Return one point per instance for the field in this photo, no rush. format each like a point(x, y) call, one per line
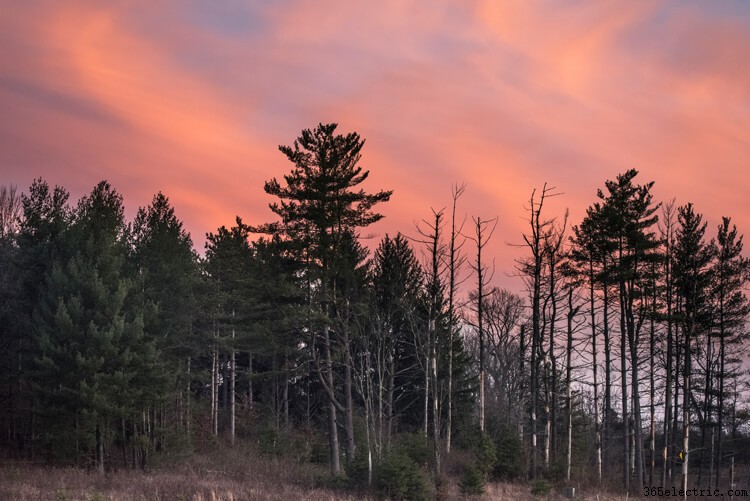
point(221, 474)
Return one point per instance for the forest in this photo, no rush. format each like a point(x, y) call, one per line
point(619, 365)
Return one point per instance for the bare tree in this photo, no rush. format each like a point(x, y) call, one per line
point(455, 261)
point(436, 256)
point(483, 233)
point(531, 270)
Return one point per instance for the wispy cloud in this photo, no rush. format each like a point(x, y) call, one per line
point(193, 98)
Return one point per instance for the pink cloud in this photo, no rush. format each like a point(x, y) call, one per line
point(193, 100)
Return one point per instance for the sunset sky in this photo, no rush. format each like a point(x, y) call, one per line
point(193, 98)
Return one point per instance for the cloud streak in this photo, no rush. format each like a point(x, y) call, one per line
point(193, 98)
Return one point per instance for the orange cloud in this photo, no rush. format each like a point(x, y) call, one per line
point(192, 99)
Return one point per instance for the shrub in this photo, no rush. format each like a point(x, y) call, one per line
point(485, 453)
point(416, 446)
point(540, 487)
point(284, 442)
point(472, 481)
point(398, 476)
point(357, 470)
point(320, 451)
point(509, 464)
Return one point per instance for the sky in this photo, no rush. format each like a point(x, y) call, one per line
point(193, 98)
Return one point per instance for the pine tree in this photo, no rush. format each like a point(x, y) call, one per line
point(165, 268)
point(93, 366)
point(10, 306)
point(319, 205)
point(693, 256)
point(730, 273)
point(630, 215)
point(397, 283)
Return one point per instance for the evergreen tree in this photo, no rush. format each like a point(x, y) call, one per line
point(630, 216)
point(730, 273)
point(10, 306)
point(693, 256)
point(93, 366)
point(45, 218)
point(319, 205)
point(397, 280)
point(165, 270)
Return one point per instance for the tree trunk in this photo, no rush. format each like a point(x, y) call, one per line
point(595, 365)
point(452, 269)
point(435, 404)
point(686, 413)
point(606, 419)
point(232, 391)
point(349, 422)
point(666, 456)
point(188, 417)
point(722, 368)
point(624, 383)
point(99, 450)
point(553, 400)
point(426, 409)
point(333, 433)
point(214, 392)
point(391, 381)
point(568, 376)
point(250, 396)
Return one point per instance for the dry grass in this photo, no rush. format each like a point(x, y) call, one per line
point(222, 475)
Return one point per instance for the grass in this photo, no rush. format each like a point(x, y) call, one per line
point(224, 474)
point(221, 475)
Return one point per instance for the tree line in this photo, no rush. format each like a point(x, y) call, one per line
point(620, 364)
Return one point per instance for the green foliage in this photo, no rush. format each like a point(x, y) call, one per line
point(485, 454)
point(415, 446)
point(93, 364)
point(319, 451)
point(540, 487)
point(509, 455)
point(284, 442)
point(399, 477)
point(335, 482)
point(358, 468)
point(472, 481)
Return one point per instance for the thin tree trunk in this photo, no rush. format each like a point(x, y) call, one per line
point(391, 384)
point(606, 418)
point(99, 450)
point(686, 413)
point(522, 374)
point(349, 422)
point(435, 403)
point(722, 368)
point(285, 392)
point(452, 269)
point(188, 417)
point(426, 409)
point(547, 415)
point(652, 395)
point(215, 392)
point(594, 354)
point(666, 456)
point(480, 320)
point(568, 376)
point(553, 400)
point(624, 384)
point(232, 391)
point(250, 396)
point(333, 434)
